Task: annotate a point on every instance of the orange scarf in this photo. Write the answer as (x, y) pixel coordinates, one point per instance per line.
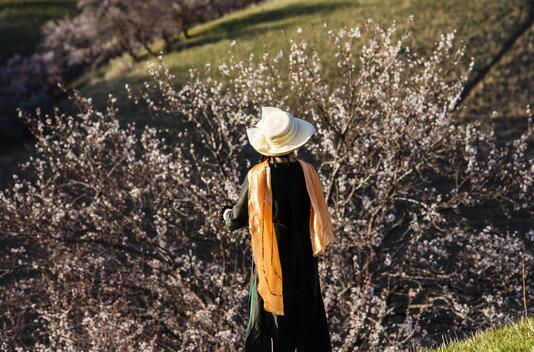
(263, 237)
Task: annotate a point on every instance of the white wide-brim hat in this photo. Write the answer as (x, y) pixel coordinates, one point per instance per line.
(278, 132)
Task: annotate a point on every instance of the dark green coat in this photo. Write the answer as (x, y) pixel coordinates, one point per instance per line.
(304, 324)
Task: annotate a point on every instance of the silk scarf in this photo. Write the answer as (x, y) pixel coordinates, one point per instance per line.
(263, 237)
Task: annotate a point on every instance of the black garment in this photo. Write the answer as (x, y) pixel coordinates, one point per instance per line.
(304, 324)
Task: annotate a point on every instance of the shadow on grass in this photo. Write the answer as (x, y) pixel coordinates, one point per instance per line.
(99, 90)
(36, 4)
(20, 22)
(290, 11)
(244, 26)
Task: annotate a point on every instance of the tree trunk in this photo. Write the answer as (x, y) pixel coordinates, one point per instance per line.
(186, 33)
(169, 41)
(125, 45)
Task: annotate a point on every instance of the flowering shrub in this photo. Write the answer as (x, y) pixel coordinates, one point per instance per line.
(102, 30)
(122, 248)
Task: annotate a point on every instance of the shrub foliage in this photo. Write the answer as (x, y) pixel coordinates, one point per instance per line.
(115, 244)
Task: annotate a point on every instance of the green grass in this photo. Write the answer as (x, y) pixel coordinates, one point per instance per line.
(509, 84)
(21, 21)
(518, 337)
(484, 25)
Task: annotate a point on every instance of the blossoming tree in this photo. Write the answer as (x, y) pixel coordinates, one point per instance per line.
(118, 236)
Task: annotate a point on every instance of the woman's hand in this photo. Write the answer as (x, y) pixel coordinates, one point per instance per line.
(220, 212)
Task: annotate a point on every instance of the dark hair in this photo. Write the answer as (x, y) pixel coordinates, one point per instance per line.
(284, 156)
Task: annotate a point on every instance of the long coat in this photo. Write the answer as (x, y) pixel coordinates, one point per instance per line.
(304, 325)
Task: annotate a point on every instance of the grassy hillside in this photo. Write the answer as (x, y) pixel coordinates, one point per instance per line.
(518, 337)
(508, 87)
(21, 20)
(484, 25)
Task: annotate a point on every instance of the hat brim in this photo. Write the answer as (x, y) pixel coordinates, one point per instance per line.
(256, 138)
